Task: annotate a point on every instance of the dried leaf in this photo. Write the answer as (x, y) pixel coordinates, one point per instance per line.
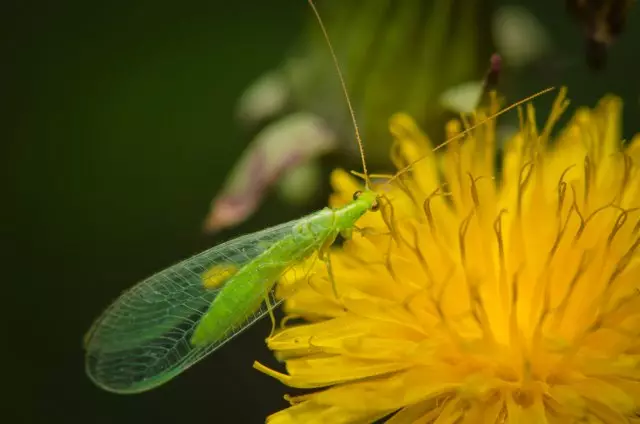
(276, 150)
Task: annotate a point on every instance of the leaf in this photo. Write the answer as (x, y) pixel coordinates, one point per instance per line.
(279, 148)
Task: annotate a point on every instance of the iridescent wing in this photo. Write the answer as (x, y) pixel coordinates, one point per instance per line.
(143, 339)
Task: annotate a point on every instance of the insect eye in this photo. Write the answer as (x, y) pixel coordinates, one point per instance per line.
(356, 195)
(375, 206)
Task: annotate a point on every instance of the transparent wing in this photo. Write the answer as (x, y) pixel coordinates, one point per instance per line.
(143, 339)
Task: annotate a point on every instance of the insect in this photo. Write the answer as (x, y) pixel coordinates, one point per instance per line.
(170, 321)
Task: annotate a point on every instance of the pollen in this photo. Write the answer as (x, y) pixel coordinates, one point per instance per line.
(499, 283)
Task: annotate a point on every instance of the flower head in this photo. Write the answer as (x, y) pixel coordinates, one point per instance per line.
(478, 295)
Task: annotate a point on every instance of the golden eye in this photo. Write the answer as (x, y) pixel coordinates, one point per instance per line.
(375, 206)
(356, 195)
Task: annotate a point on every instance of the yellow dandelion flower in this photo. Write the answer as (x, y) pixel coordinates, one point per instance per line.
(479, 296)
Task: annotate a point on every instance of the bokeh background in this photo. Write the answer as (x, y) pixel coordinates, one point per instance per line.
(118, 130)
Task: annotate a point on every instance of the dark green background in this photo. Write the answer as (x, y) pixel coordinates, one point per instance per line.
(118, 129)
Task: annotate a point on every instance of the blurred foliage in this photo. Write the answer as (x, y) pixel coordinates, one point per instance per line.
(394, 55)
(602, 22)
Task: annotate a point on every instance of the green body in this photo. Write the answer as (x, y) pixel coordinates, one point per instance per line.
(244, 292)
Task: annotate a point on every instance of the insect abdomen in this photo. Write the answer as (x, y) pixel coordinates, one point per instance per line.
(244, 292)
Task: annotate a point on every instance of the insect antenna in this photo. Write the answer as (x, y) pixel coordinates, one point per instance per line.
(355, 123)
(471, 128)
(345, 91)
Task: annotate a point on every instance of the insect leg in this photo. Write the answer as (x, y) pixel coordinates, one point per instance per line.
(324, 255)
(327, 261)
(368, 231)
(326, 258)
(271, 314)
